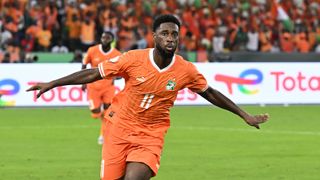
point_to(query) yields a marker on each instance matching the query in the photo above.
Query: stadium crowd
(207, 25)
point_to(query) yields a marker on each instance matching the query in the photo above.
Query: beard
(106, 45)
(166, 54)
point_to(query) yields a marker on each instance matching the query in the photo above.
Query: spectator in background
(265, 40)
(5, 36)
(253, 40)
(303, 44)
(286, 42)
(44, 38)
(14, 50)
(6, 58)
(108, 20)
(51, 14)
(190, 42)
(28, 43)
(199, 17)
(141, 42)
(87, 33)
(77, 56)
(74, 28)
(218, 42)
(59, 48)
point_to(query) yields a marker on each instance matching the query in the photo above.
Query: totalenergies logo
(256, 77)
(8, 87)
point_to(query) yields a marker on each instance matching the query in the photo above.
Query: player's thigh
(108, 94)
(147, 152)
(137, 171)
(114, 151)
(95, 99)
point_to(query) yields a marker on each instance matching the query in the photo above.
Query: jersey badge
(171, 85)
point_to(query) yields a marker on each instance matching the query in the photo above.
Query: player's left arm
(220, 100)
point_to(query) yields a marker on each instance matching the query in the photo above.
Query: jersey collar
(102, 52)
(156, 66)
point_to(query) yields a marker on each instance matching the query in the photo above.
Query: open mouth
(170, 47)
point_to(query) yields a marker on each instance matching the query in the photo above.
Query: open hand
(42, 87)
(257, 119)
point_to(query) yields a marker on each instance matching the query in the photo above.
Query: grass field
(204, 143)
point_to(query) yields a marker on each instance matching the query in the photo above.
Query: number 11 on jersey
(146, 101)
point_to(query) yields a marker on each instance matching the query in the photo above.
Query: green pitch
(203, 143)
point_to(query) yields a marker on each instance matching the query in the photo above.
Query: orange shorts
(98, 97)
(123, 145)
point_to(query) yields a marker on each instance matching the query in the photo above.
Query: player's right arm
(80, 77)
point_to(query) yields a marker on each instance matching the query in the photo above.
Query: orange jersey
(96, 55)
(150, 92)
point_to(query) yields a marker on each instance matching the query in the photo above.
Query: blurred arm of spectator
(5, 36)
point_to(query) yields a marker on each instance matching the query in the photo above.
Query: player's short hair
(110, 33)
(164, 19)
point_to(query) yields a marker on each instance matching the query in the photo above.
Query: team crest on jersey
(170, 85)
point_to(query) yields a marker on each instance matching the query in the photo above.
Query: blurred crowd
(207, 25)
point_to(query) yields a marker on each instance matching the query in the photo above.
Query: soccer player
(138, 117)
(100, 92)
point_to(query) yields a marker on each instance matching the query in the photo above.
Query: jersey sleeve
(117, 66)
(198, 82)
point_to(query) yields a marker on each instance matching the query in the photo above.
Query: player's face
(166, 38)
(106, 39)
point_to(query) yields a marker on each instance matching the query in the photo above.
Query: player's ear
(154, 35)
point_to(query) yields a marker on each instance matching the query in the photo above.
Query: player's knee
(137, 171)
(106, 106)
(95, 113)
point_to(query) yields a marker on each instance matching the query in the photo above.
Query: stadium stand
(208, 27)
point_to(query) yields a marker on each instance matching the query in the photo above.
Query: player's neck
(160, 60)
(105, 48)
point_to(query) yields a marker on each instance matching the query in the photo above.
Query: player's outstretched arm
(80, 77)
(218, 99)
(84, 86)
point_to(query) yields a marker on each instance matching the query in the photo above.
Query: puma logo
(141, 79)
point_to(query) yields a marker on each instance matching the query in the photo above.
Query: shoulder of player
(93, 48)
(138, 52)
(116, 51)
(185, 66)
(136, 55)
(183, 62)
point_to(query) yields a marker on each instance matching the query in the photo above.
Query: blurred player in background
(139, 116)
(100, 93)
